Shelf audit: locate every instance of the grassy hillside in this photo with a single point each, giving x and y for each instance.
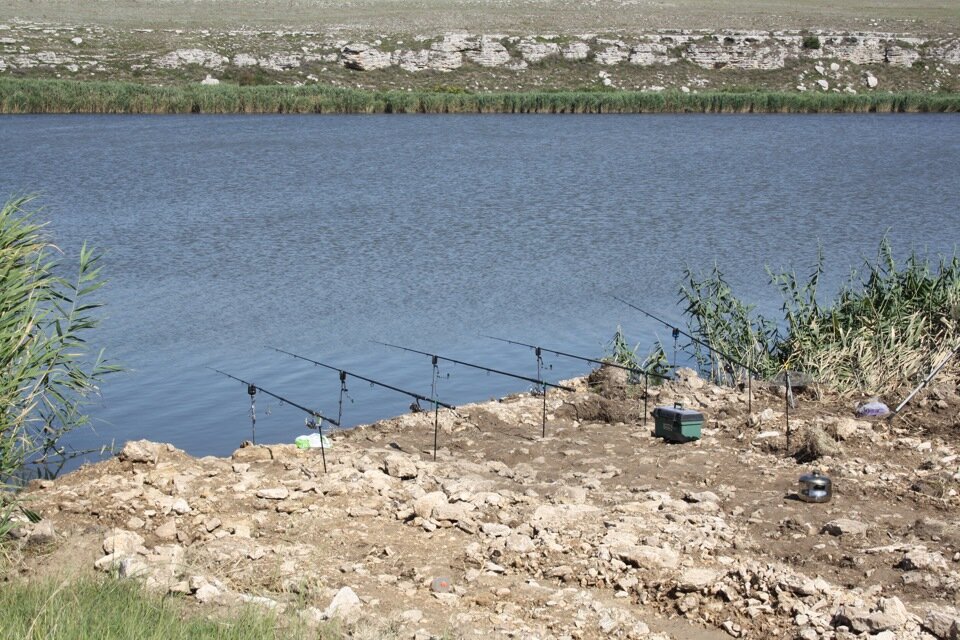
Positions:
(516, 16)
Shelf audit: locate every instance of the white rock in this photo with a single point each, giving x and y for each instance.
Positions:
(845, 527)
(645, 556)
(122, 542)
(210, 80)
(140, 451)
(490, 54)
(697, 579)
(425, 504)
(872, 82)
(576, 51)
(519, 543)
(275, 493)
(207, 593)
(345, 605)
(364, 57)
(823, 84)
(400, 466)
(77, 41)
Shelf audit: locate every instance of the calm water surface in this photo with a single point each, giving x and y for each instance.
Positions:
(320, 235)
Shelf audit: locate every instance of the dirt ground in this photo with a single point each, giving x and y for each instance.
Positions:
(597, 530)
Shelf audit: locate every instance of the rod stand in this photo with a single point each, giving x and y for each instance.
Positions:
(252, 390)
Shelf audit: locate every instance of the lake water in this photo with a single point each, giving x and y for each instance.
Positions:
(320, 235)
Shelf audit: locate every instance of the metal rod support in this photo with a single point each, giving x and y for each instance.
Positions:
(312, 412)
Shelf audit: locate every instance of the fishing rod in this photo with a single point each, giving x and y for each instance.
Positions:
(416, 396)
(677, 330)
(542, 383)
(252, 389)
(538, 350)
(926, 381)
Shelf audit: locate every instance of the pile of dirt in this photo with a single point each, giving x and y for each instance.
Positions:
(598, 529)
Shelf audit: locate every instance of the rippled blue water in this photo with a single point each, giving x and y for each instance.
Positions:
(320, 235)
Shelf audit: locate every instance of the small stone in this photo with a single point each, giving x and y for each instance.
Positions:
(845, 527)
(413, 616)
(441, 585)
(275, 493)
(207, 593)
(122, 542)
(41, 533)
(919, 558)
(425, 504)
(944, 623)
(345, 605)
(518, 543)
(701, 496)
(166, 531)
(135, 523)
(180, 506)
(140, 451)
(400, 466)
(697, 579)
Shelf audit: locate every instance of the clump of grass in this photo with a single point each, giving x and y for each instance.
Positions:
(813, 444)
(70, 96)
(113, 610)
(886, 327)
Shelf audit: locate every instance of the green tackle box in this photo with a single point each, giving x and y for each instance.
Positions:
(677, 424)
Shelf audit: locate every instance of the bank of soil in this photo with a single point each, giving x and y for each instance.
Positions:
(597, 530)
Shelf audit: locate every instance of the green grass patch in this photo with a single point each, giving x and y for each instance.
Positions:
(66, 96)
(107, 609)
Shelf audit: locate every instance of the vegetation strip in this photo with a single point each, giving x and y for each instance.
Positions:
(64, 96)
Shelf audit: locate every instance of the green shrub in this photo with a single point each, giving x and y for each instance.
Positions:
(811, 42)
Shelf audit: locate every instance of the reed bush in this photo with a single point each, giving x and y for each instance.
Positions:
(69, 96)
(46, 370)
(888, 324)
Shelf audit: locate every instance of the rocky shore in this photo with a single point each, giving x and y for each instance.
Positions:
(691, 60)
(597, 530)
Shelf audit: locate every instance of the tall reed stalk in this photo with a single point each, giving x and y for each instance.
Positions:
(46, 369)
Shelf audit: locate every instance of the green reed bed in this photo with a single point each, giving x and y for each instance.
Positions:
(886, 327)
(65, 96)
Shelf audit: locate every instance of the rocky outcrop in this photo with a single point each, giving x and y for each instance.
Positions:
(364, 57)
(184, 57)
(491, 53)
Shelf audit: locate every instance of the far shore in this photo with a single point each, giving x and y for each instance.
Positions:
(66, 96)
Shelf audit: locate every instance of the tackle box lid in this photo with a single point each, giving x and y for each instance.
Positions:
(677, 412)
